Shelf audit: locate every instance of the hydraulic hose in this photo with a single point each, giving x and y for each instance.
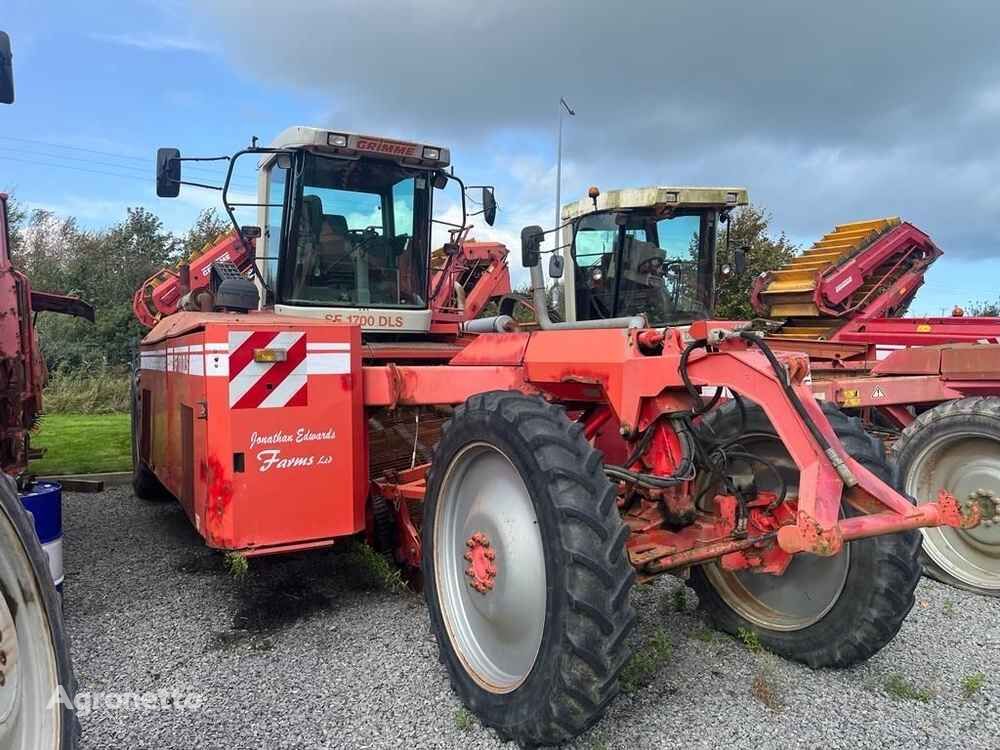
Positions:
(838, 463)
(685, 467)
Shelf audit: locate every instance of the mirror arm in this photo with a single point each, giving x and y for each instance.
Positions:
(461, 185)
(196, 184)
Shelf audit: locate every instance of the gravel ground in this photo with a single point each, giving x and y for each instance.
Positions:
(310, 651)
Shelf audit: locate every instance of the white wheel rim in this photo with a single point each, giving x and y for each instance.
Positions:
(483, 505)
(963, 465)
(807, 590)
(29, 718)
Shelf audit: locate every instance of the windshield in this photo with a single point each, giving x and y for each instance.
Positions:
(361, 237)
(632, 262)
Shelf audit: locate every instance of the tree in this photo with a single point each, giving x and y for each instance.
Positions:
(749, 226)
(103, 268)
(207, 228)
(983, 309)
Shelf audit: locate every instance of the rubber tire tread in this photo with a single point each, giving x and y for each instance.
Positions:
(24, 528)
(883, 574)
(588, 611)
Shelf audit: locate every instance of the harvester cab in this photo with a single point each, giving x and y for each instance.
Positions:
(644, 252)
(344, 225)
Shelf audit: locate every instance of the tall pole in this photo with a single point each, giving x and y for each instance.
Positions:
(562, 105)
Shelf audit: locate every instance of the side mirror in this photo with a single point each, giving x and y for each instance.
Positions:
(451, 248)
(740, 260)
(555, 266)
(168, 172)
(440, 180)
(531, 242)
(489, 206)
(6, 70)
(250, 232)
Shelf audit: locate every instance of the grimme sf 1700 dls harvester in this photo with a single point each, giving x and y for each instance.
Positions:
(928, 386)
(258, 404)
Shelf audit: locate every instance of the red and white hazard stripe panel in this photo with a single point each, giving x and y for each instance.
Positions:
(253, 384)
(265, 385)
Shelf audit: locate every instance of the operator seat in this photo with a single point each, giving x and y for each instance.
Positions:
(307, 247)
(334, 248)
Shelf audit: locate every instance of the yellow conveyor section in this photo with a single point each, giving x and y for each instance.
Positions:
(790, 294)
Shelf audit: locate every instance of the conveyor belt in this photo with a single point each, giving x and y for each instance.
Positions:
(861, 269)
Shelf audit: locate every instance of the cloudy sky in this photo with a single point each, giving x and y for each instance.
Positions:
(827, 112)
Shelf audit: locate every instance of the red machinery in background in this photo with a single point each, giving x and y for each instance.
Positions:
(928, 385)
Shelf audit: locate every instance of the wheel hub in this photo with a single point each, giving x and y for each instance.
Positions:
(482, 570)
(989, 506)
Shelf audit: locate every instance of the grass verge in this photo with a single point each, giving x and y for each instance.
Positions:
(83, 444)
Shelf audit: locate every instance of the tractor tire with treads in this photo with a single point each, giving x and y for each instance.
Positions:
(824, 611)
(36, 661)
(956, 446)
(537, 653)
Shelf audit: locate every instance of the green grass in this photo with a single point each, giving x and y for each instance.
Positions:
(464, 720)
(899, 688)
(91, 391)
(972, 684)
(83, 444)
(640, 670)
(377, 568)
(750, 640)
(237, 565)
(705, 635)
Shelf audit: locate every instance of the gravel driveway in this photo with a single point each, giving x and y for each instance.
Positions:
(311, 651)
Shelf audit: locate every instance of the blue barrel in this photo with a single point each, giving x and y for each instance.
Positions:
(44, 502)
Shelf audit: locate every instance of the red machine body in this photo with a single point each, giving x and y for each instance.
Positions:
(211, 438)
(22, 369)
(261, 455)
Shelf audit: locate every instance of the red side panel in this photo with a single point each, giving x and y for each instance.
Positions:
(276, 447)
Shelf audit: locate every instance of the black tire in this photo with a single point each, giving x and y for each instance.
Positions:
(881, 572)
(31, 599)
(969, 429)
(588, 614)
(383, 535)
(145, 485)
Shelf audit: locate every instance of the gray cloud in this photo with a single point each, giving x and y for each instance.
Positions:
(827, 111)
